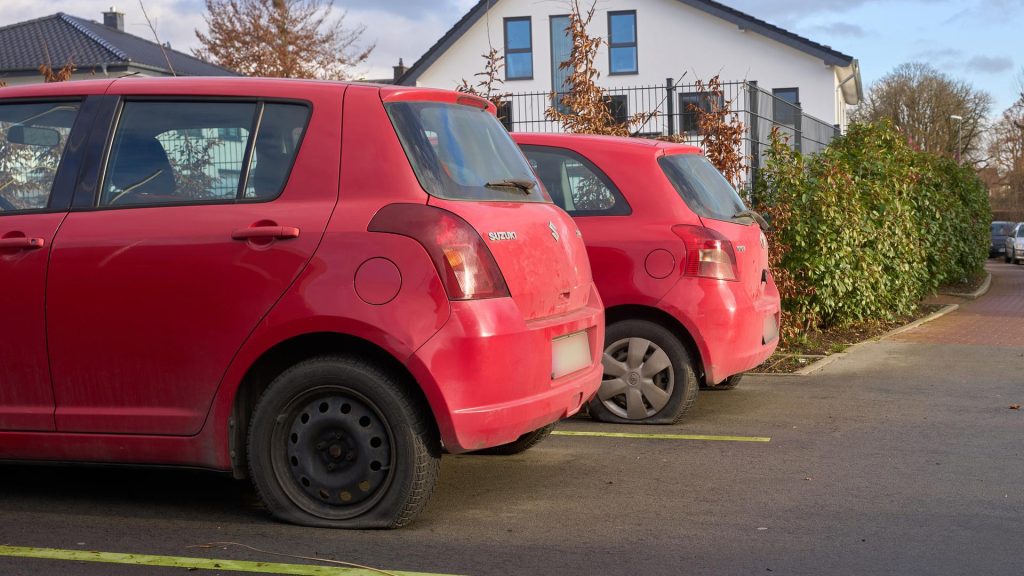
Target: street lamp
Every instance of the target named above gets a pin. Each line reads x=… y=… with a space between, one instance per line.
x=959 y=130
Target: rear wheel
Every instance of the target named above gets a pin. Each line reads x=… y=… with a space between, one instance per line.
x=521 y=444
x=339 y=443
x=648 y=376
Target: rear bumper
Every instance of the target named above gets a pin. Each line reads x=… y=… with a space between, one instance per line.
x=487 y=372
x=734 y=331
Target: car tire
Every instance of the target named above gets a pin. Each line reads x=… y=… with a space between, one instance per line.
x=521 y=444
x=649 y=376
x=729 y=383
x=339 y=443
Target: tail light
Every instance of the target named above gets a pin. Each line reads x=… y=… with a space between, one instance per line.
x=708 y=253
x=463 y=262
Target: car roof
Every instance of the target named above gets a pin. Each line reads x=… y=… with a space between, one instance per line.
x=180 y=84
x=591 y=141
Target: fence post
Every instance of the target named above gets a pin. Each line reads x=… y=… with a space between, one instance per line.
x=798 y=120
x=670 y=88
x=754 y=133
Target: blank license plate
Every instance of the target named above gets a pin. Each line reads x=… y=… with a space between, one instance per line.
x=569 y=354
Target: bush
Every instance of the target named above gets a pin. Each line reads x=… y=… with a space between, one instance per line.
x=865 y=229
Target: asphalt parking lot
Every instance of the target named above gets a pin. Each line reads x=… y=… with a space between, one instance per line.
x=902 y=458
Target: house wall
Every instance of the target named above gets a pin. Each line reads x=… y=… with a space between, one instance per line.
x=672 y=38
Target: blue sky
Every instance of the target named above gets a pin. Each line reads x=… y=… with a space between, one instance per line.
x=981 y=41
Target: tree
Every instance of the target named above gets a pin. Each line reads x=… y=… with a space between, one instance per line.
x=489 y=83
x=585 y=105
x=920 y=102
x=1004 y=173
x=281 y=38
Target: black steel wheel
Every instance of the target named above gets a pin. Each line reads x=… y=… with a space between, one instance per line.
x=336 y=442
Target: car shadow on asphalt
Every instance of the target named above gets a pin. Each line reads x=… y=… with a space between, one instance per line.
x=170 y=493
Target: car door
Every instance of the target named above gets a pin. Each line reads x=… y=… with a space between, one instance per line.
x=602 y=214
x=206 y=210
x=35 y=191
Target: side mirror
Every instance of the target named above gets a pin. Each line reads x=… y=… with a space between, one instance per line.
x=33 y=136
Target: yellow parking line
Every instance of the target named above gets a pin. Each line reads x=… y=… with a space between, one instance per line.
x=194 y=563
x=663 y=436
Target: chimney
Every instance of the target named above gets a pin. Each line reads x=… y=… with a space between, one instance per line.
x=400 y=70
x=114 y=19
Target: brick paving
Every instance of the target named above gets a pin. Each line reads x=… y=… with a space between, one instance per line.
x=996 y=319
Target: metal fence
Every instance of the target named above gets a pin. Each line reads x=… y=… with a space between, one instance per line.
x=758 y=109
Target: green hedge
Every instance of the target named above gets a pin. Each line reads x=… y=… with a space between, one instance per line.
x=868 y=227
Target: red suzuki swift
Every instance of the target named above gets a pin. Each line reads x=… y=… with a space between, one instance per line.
x=680 y=262
x=319 y=285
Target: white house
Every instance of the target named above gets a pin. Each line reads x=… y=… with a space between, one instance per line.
x=648 y=41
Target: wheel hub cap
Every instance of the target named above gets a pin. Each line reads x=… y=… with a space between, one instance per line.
x=638 y=379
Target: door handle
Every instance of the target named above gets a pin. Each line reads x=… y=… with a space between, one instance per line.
x=266 y=232
x=22 y=243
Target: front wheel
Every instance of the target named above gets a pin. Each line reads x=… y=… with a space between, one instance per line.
x=338 y=443
x=648 y=376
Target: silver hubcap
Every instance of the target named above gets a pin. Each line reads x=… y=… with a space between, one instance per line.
x=638 y=379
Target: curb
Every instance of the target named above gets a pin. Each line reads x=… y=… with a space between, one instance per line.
x=816 y=366
x=981 y=291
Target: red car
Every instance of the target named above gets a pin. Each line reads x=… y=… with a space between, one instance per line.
x=680 y=262
x=319 y=285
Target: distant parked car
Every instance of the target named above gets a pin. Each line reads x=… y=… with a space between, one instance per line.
x=1014 y=244
x=680 y=262
x=375 y=278
x=1001 y=230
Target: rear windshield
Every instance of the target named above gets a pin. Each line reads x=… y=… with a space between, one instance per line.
x=702 y=186
x=1002 y=228
x=463 y=153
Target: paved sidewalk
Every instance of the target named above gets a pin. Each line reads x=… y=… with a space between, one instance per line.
x=993 y=320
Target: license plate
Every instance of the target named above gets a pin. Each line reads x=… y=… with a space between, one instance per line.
x=770 y=331
x=569 y=354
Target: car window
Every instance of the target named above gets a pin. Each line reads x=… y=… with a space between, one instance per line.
x=462 y=152
x=32 y=141
x=196 y=152
x=574 y=183
x=1002 y=228
x=277 y=145
x=702 y=186
x=1020 y=232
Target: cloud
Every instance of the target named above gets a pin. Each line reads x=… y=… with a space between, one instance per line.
x=842 y=29
x=989 y=64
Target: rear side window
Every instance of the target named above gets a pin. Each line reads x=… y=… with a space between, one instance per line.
x=463 y=153
x=201 y=152
x=575 y=183
x=702 y=186
x=32 y=140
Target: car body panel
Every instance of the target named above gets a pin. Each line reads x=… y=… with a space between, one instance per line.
x=150 y=359
x=147 y=305
x=725 y=320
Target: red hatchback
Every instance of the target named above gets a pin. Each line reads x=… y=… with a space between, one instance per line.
x=680 y=262
x=318 y=285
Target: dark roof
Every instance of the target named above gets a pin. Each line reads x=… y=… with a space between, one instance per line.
x=744 y=21
x=60 y=38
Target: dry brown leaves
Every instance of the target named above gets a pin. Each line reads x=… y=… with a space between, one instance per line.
x=586 y=105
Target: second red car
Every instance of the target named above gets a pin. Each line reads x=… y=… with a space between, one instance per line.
x=681 y=264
